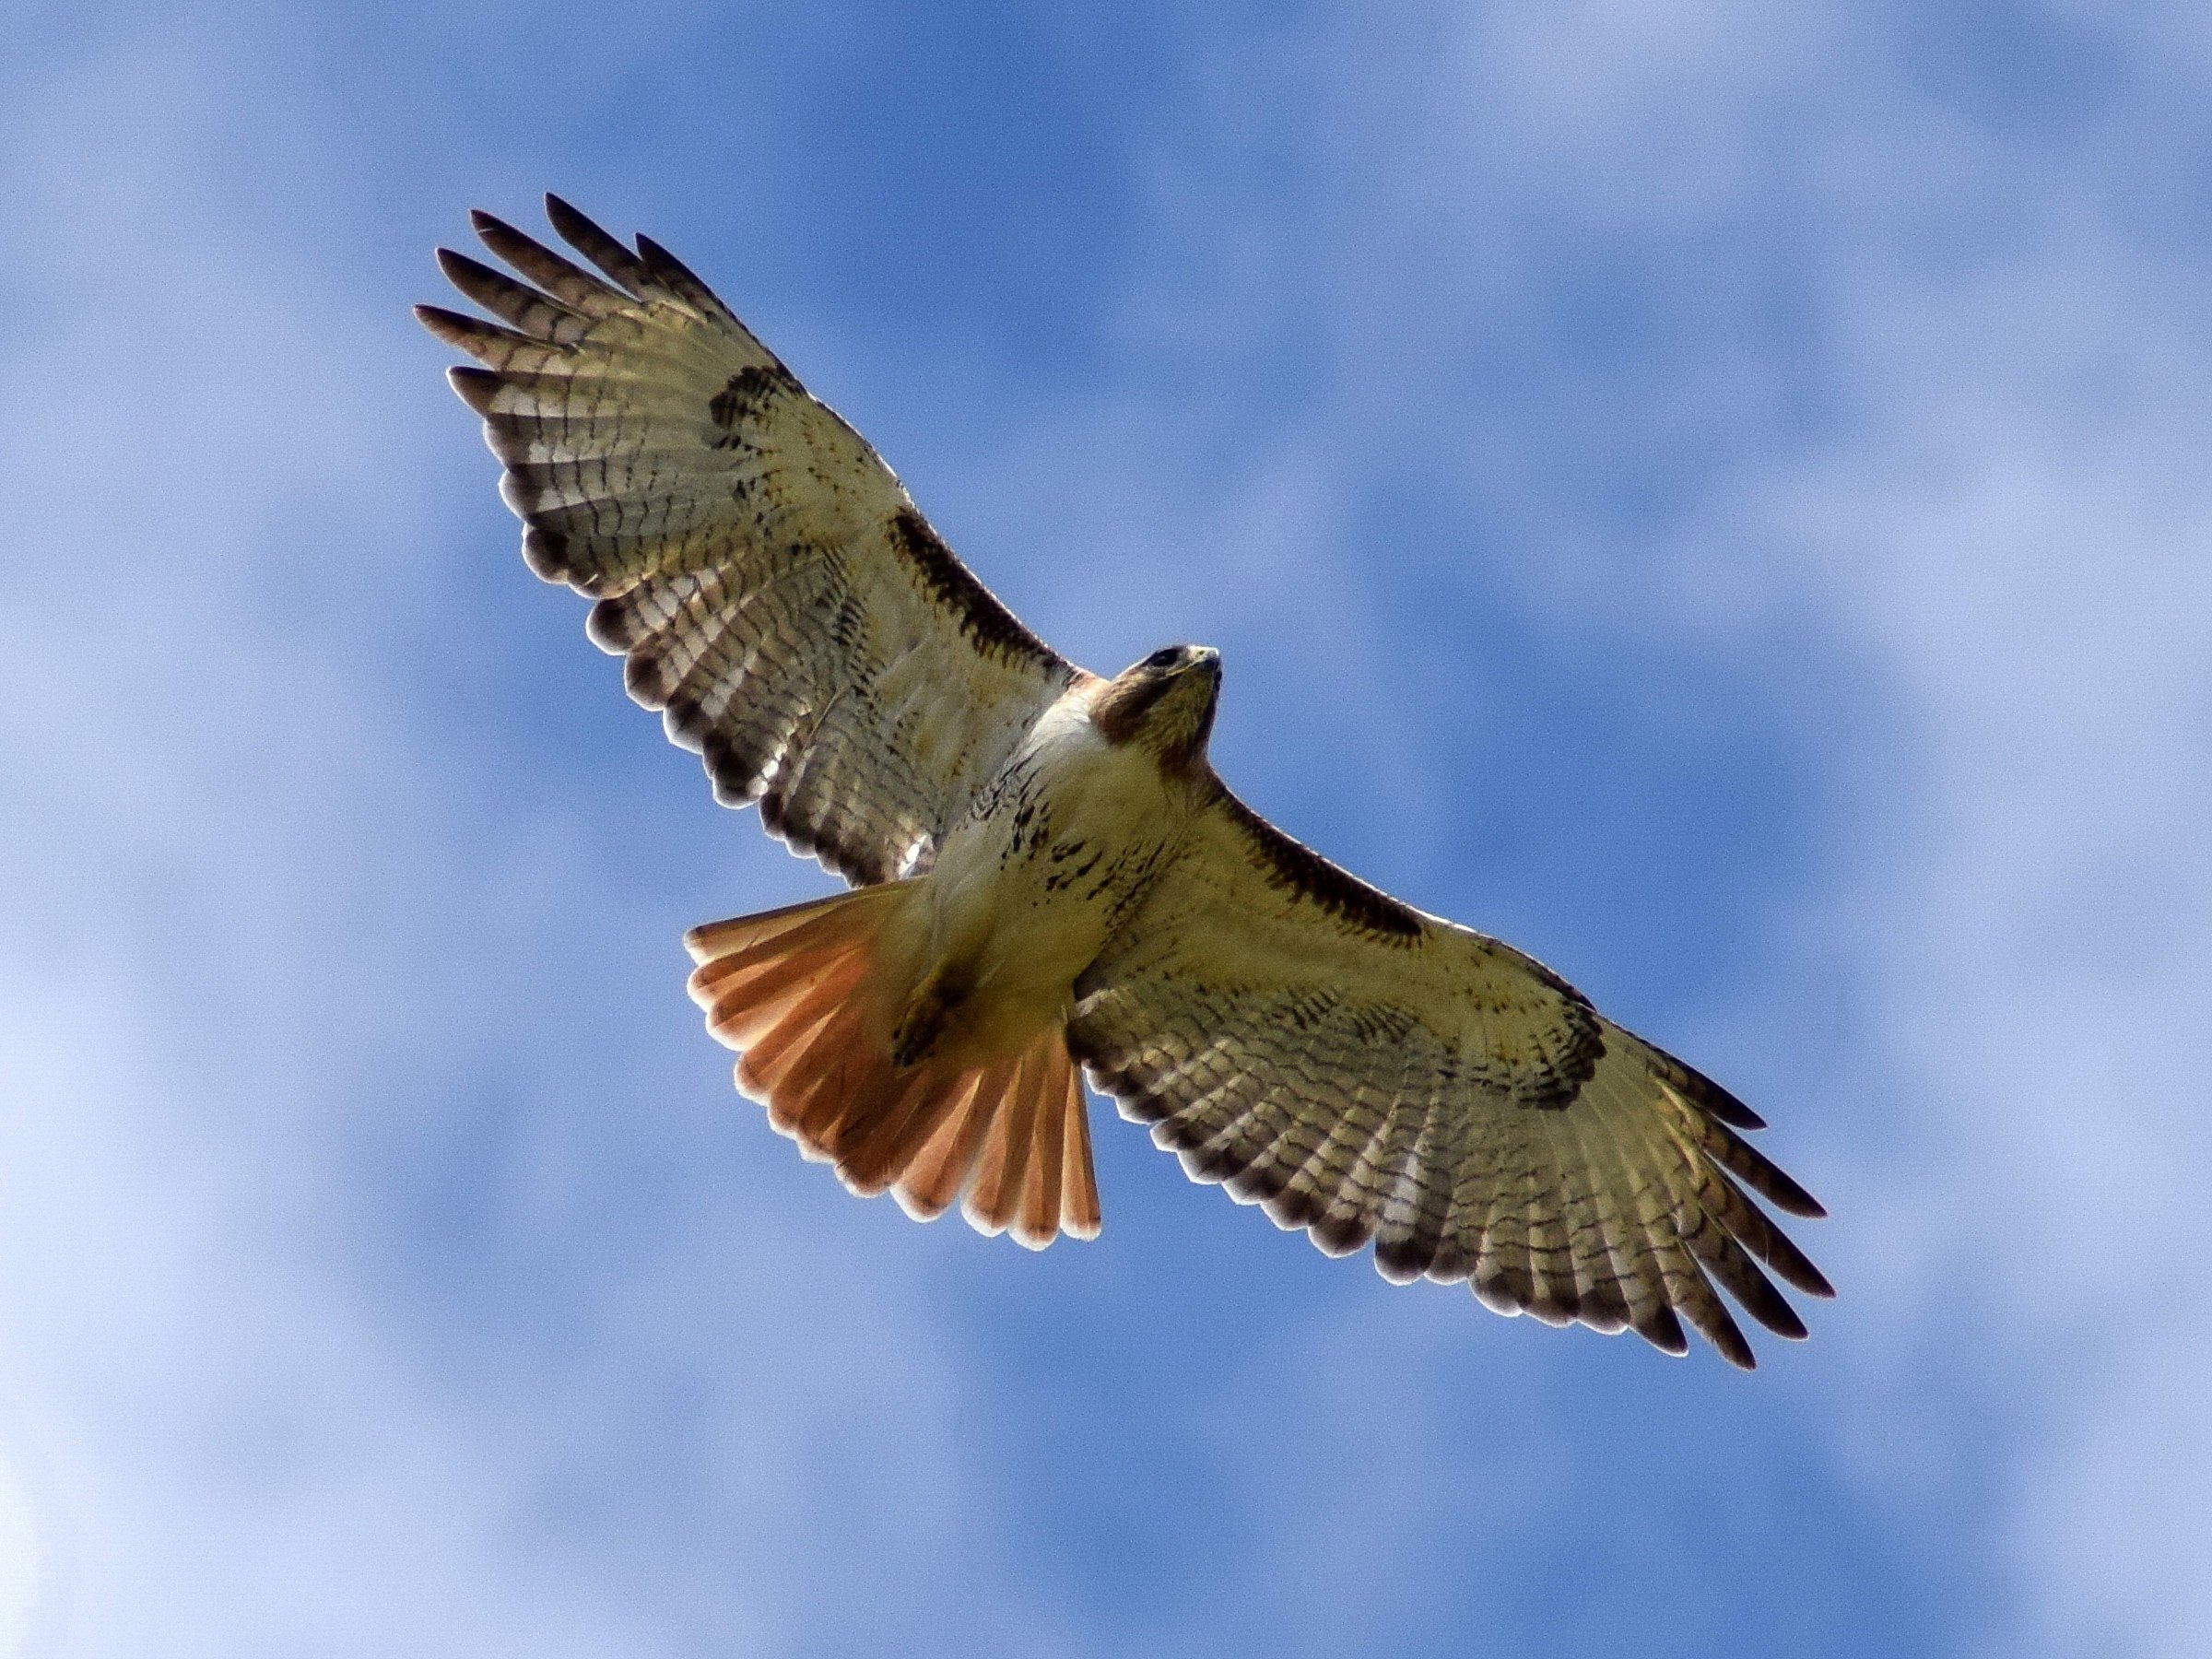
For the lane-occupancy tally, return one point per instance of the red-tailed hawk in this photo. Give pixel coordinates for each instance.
(1049, 872)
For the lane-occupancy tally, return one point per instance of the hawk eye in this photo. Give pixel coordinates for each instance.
(1166, 657)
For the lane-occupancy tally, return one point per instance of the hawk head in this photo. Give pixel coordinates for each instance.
(1166, 703)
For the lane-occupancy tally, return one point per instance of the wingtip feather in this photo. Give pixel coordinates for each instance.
(595, 243)
(476, 387)
(1728, 1337)
(677, 275)
(449, 325)
(457, 267)
(1663, 1329)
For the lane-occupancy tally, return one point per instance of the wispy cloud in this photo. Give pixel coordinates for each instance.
(1992, 503)
(285, 966)
(1921, 378)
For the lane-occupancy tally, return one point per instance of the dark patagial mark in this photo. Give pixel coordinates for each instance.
(1292, 868)
(990, 625)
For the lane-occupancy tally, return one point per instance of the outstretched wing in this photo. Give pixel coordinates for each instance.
(772, 584)
(1366, 1072)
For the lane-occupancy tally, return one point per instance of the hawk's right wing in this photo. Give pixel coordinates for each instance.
(1372, 1074)
(773, 587)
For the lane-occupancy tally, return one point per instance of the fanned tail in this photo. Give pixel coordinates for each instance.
(810, 996)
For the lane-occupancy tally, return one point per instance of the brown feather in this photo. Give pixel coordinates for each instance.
(911, 1104)
(850, 1074)
(995, 1198)
(557, 277)
(618, 262)
(874, 1146)
(785, 1034)
(939, 1172)
(1046, 1104)
(1079, 1215)
(744, 1020)
(1398, 1080)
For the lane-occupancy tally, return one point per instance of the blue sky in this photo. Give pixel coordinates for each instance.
(1711, 492)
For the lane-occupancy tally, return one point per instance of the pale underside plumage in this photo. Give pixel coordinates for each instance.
(1363, 1071)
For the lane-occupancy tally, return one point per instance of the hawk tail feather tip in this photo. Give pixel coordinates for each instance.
(810, 996)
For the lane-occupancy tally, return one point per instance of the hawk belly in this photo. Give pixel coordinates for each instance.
(1025, 894)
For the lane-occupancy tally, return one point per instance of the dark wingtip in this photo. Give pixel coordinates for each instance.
(1718, 1327)
(653, 255)
(1401, 1261)
(1664, 1331)
(473, 386)
(1726, 1107)
(677, 277)
(1790, 1198)
(449, 325)
(1705, 1094)
(619, 263)
(546, 554)
(576, 227)
(458, 267)
(1783, 1320)
(1337, 1234)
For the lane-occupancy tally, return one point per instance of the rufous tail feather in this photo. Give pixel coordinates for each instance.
(810, 996)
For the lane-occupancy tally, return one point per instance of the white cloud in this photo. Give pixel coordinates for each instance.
(1991, 503)
(2016, 538)
(2007, 524)
(267, 927)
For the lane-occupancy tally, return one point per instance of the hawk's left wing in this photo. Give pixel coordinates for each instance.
(775, 591)
(1366, 1072)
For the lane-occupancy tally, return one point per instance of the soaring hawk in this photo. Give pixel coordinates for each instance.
(1048, 871)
